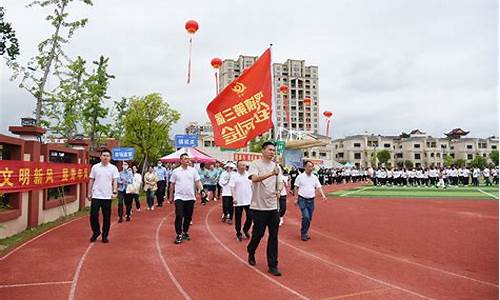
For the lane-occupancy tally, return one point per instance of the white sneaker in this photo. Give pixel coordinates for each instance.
(281, 221)
(152, 207)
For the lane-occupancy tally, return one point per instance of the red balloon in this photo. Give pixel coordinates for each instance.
(216, 62)
(328, 114)
(284, 89)
(192, 26)
(307, 101)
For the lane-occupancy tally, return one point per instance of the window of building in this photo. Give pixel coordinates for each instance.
(417, 155)
(357, 145)
(438, 155)
(357, 155)
(484, 154)
(432, 154)
(399, 155)
(443, 146)
(341, 155)
(493, 146)
(452, 155)
(469, 156)
(452, 147)
(416, 145)
(387, 145)
(322, 154)
(469, 146)
(206, 143)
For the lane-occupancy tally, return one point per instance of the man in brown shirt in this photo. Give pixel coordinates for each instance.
(265, 206)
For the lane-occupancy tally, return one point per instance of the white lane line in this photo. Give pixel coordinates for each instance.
(356, 272)
(165, 265)
(246, 263)
(486, 193)
(403, 259)
(74, 282)
(37, 237)
(3, 286)
(355, 191)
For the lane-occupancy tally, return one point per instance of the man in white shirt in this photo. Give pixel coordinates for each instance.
(241, 189)
(486, 176)
(306, 185)
(103, 186)
(227, 196)
(184, 179)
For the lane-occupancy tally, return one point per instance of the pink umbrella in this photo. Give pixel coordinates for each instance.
(195, 156)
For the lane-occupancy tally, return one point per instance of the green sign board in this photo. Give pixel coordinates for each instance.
(280, 147)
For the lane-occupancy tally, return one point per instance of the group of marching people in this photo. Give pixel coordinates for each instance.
(438, 177)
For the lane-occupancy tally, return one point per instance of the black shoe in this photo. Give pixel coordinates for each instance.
(274, 271)
(105, 240)
(127, 219)
(304, 238)
(185, 236)
(178, 239)
(308, 237)
(120, 220)
(247, 235)
(94, 237)
(251, 259)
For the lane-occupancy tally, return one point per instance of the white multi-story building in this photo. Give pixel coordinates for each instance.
(302, 82)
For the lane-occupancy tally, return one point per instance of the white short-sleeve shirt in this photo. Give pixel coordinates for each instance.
(103, 176)
(307, 185)
(242, 187)
(185, 180)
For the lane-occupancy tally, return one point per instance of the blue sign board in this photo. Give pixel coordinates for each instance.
(186, 140)
(123, 153)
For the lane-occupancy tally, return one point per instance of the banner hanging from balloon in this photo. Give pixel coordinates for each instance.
(243, 110)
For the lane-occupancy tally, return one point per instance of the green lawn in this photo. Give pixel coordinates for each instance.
(482, 192)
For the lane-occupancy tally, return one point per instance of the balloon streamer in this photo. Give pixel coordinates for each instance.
(216, 84)
(189, 60)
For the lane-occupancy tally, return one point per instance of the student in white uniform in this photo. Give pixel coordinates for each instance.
(241, 189)
(486, 176)
(184, 180)
(306, 185)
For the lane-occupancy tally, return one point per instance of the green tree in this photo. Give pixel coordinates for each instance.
(494, 157)
(479, 162)
(448, 160)
(255, 145)
(65, 108)
(96, 88)
(408, 164)
(147, 125)
(8, 40)
(460, 163)
(51, 56)
(120, 108)
(383, 156)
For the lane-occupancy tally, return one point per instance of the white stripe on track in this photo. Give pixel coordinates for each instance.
(246, 263)
(403, 259)
(165, 265)
(486, 193)
(356, 272)
(37, 237)
(3, 286)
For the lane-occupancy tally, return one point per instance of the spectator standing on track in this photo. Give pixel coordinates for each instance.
(305, 188)
(150, 187)
(161, 174)
(103, 186)
(241, 189)
(476, 173)
(125, 178)
(494, 174)
(266, 184)
(219, 171)
(184, 179)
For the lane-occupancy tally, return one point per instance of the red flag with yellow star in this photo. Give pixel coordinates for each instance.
(243, 110)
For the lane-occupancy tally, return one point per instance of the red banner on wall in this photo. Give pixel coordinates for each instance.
(246, 156)
(19, 176)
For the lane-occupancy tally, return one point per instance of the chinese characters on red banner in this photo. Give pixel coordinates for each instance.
(243, 109)
(17, 176)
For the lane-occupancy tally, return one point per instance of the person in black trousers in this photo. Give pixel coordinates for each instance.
(103, 186)
(264, 207)
(241, 189)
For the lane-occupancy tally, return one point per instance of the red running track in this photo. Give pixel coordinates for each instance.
(360, 249)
